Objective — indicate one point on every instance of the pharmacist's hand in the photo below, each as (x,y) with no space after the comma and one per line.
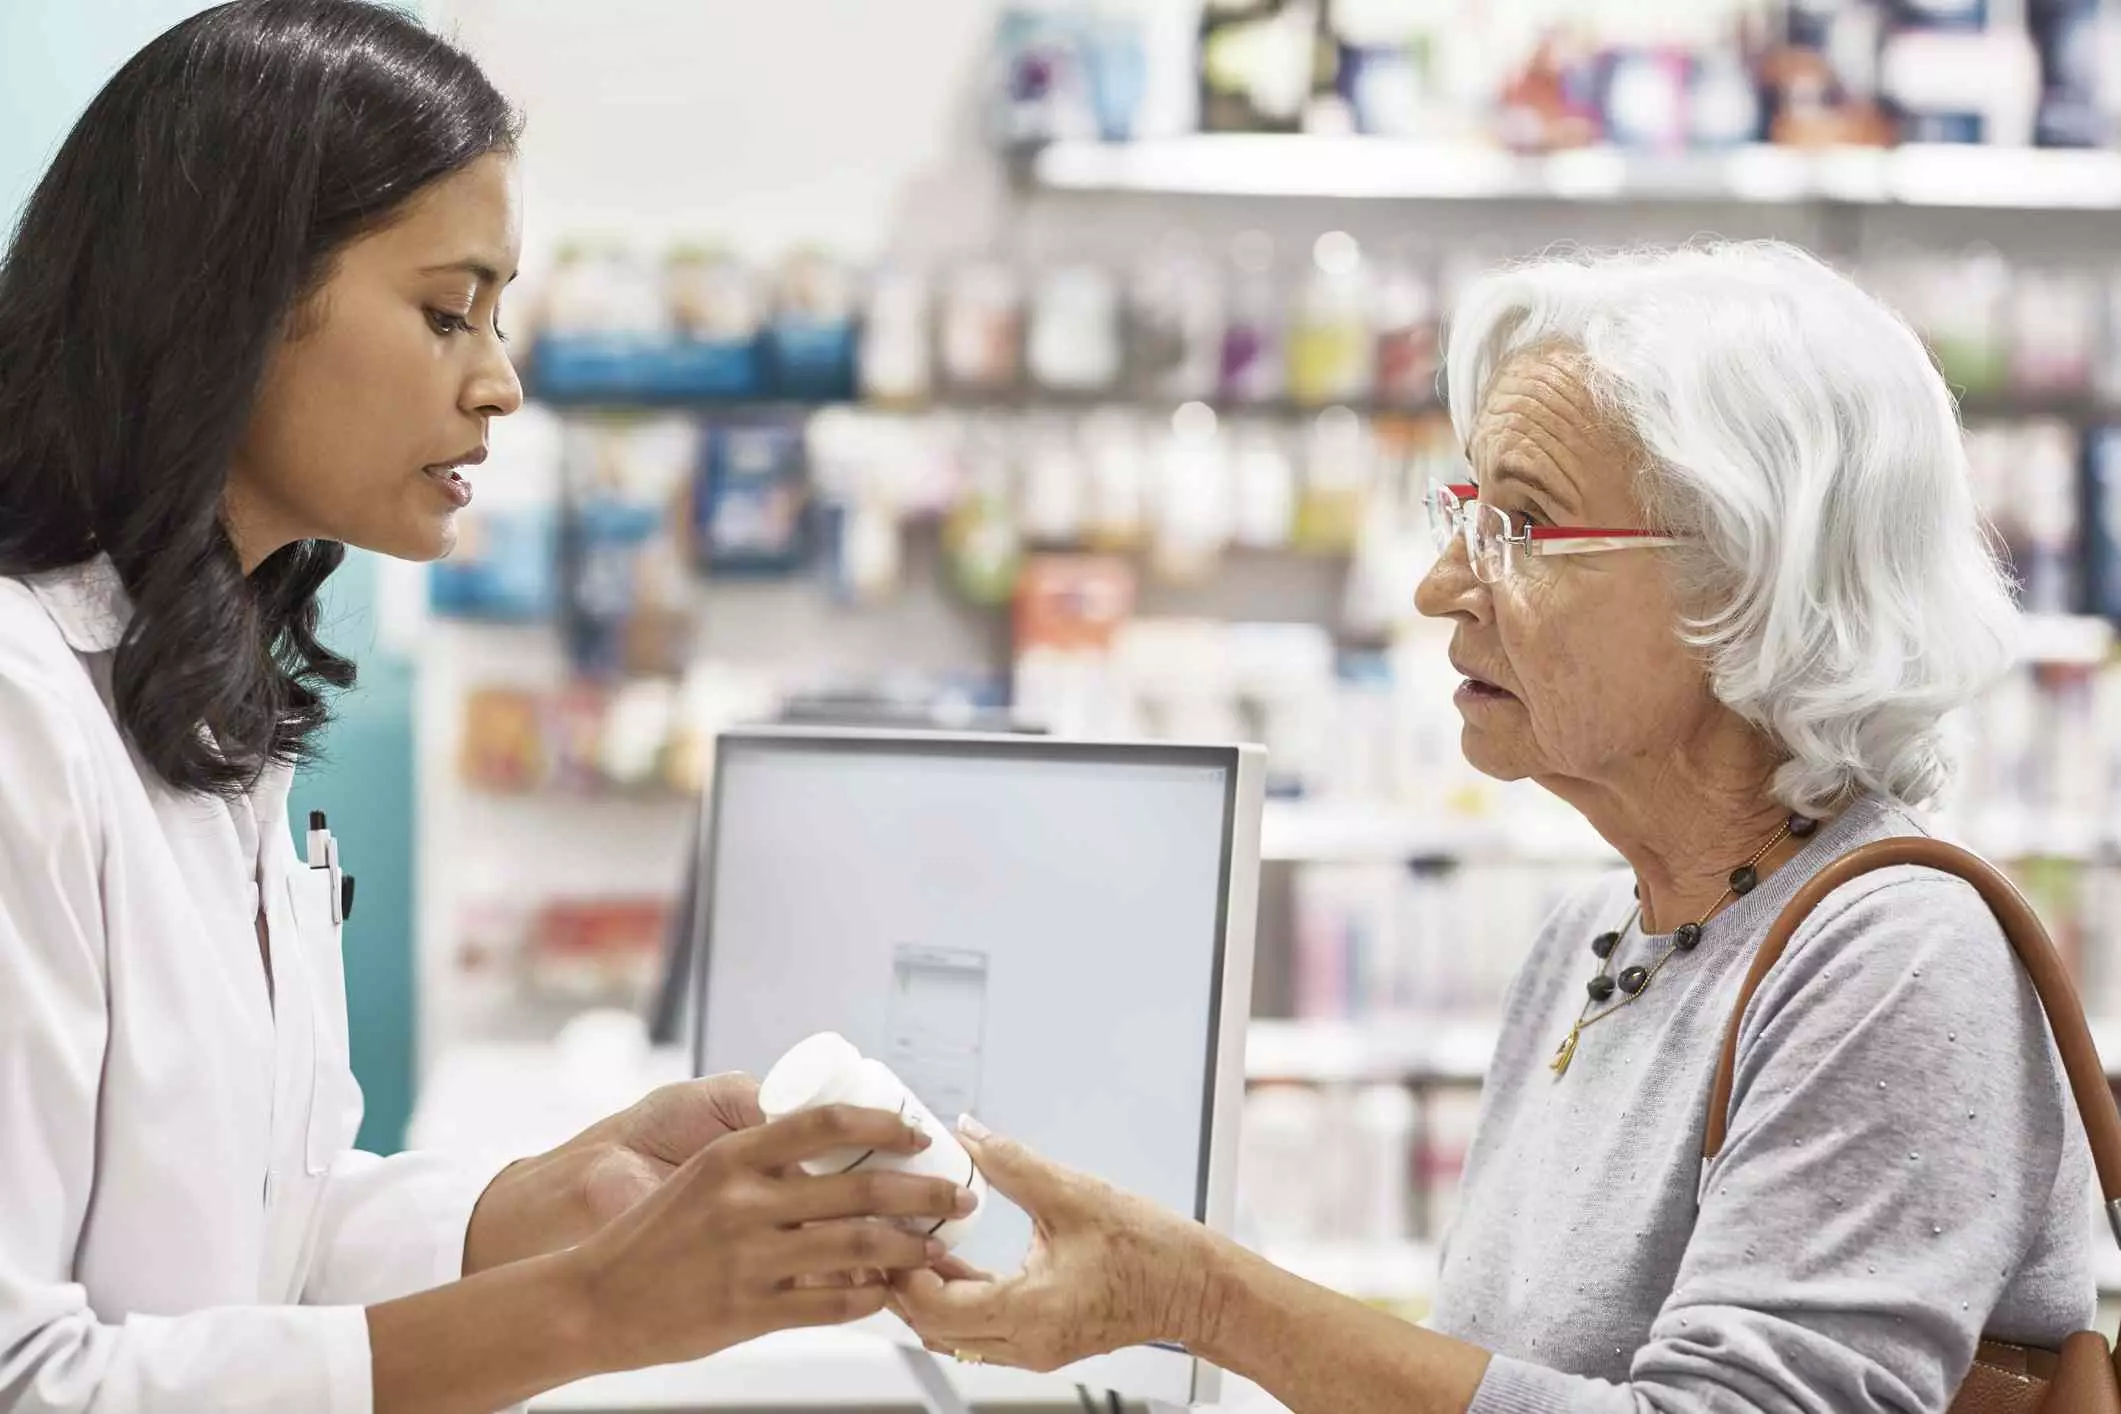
(1106,1270)
(648,1141)
(739,1241)
(560,1197)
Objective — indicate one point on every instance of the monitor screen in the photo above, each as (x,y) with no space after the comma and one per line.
(1035,931)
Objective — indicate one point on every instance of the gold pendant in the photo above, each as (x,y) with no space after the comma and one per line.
(1566,1053)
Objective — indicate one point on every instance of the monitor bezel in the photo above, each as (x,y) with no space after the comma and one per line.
(1230,998)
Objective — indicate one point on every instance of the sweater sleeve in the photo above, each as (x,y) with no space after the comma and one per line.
(1898,1127)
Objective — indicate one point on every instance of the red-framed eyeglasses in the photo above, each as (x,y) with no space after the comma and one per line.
(1493,538)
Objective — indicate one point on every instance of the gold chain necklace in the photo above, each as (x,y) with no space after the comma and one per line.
(1634,981)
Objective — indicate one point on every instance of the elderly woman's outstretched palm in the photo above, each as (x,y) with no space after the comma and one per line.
(1099,1276)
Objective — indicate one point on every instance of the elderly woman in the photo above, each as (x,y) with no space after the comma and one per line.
(1717,578)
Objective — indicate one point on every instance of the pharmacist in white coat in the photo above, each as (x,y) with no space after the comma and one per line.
(249,316)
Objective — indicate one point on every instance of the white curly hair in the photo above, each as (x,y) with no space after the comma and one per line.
(1842,584)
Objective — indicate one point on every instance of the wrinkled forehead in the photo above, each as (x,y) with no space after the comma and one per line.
(1541,422)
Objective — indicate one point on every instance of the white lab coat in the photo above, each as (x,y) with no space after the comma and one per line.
(184,1224)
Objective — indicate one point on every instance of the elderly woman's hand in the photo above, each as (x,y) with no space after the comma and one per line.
(1106,1270)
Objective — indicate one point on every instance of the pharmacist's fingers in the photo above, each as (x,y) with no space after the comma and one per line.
(954,1308)
(826,1307)
(878,1194)
(855,1244)
(782,1142)
(832,1281)
(954,1268)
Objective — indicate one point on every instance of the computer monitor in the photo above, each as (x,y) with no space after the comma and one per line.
(1054,935)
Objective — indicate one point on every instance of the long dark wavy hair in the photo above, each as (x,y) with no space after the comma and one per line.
(194,207)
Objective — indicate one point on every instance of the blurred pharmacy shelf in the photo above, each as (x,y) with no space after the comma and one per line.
(1284,165)
(1353,1052)
(1359,831)
(1401,1275)
(2064,639)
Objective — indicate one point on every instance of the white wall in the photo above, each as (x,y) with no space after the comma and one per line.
(54,55)
(759,122)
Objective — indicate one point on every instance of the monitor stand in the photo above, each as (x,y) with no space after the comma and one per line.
(939,1396)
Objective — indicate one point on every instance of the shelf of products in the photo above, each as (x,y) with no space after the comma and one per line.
(1551,77)
(1400,1277)
(1357,167)
(1253,325)
(1336,1052)
(1368,831)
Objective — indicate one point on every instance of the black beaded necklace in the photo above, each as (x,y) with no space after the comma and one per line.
(1634,981)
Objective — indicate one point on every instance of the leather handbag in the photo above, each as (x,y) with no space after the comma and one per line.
(2079,1377)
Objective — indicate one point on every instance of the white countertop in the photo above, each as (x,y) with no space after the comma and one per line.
(498,1100)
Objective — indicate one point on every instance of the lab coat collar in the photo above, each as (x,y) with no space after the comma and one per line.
(89,604)
(87,601)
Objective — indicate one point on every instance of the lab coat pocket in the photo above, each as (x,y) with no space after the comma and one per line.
(335,1096)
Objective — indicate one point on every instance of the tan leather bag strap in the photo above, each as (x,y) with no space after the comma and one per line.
(2065,1013)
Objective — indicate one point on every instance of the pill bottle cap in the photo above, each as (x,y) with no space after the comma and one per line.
(825,1069)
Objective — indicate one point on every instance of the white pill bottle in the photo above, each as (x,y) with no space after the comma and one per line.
(826,1069)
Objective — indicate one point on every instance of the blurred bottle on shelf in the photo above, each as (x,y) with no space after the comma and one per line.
(1391,67)
(2079,43)
(982,536)
(1055,482)
(2102,522)
(1339,474)
(1263,485)
(1950,72)
(1116,457)
(1072,344)
(1040,86)
(1260,63)
(1174,323)
(624,551)
(810,339)
(897,356)
(717,306)
(981,328)
(1254,368)
(1408,317)
(1332,340)
(1548,104)
(1067,616)
(1191,507)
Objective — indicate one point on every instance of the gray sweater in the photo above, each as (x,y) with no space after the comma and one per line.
(1903,1171)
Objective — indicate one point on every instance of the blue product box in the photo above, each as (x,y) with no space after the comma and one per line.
(505,567)
(811,360)
(2102,521)
(640,368)
(605,536)
(751,513)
